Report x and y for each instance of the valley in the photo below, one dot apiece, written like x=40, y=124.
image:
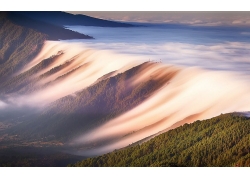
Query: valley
x=64, y=98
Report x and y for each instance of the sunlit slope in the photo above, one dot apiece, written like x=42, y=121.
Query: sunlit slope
x=220, y=141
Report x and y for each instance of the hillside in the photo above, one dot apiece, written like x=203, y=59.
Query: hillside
x=21, y=39
x=63, y=19
x=89, y=108
x=18, y=46
x=219, y=141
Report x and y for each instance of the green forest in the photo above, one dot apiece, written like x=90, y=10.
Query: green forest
x=221, y=141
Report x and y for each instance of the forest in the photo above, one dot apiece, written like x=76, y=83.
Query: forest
x=222, y=141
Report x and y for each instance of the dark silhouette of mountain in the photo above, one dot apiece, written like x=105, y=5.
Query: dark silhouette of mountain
x=63, y=19
x=35, y=157
x=219, y=141
x=54, y=32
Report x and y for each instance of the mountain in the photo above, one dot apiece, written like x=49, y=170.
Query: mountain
x=67, y=19
x=18, y=45
x=220, y=141
x=67, y=98
x=21, y=40
x=88, y=108
x=92, y=102
x=53, y=31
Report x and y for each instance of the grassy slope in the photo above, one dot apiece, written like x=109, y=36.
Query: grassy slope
x=219, y=141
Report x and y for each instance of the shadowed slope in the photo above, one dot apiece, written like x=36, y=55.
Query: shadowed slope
x=75, y=114
x=18, y=46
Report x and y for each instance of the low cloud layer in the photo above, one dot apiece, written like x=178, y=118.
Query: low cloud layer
x=190, y=95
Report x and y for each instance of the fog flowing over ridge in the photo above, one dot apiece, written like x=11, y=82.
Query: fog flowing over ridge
x=212, y=77
x=190, y=95
x=195, y=81
x=85, y=66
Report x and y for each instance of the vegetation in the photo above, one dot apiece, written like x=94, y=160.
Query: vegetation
x=27, y=79
x=219, y=141
x=18, y=46
x=73, y=115
x=35, y=157
x=21, y=39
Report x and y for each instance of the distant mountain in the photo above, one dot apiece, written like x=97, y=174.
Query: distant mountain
x=64, y=19
x=219, y=141
x=53, y=31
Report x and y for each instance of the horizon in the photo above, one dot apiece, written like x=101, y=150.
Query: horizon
x=195, y=18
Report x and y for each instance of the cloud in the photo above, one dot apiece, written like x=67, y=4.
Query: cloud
x=2, y=104
x=245, y=33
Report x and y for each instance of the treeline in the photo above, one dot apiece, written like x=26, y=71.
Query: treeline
x=219, y=141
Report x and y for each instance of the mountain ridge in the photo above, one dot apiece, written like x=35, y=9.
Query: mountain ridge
x=62, y=19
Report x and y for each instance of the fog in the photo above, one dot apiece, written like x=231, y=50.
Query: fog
x=191, y=91
x=213, y=77
x=86, y=67
x=215, y=48
x=207, y=71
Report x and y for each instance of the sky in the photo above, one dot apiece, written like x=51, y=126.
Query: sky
x=203, y=18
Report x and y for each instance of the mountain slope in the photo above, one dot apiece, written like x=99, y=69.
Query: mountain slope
x=18, y=46
x=219, y=141
x=21, y=39
x=63, y=19
x=87, y=109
